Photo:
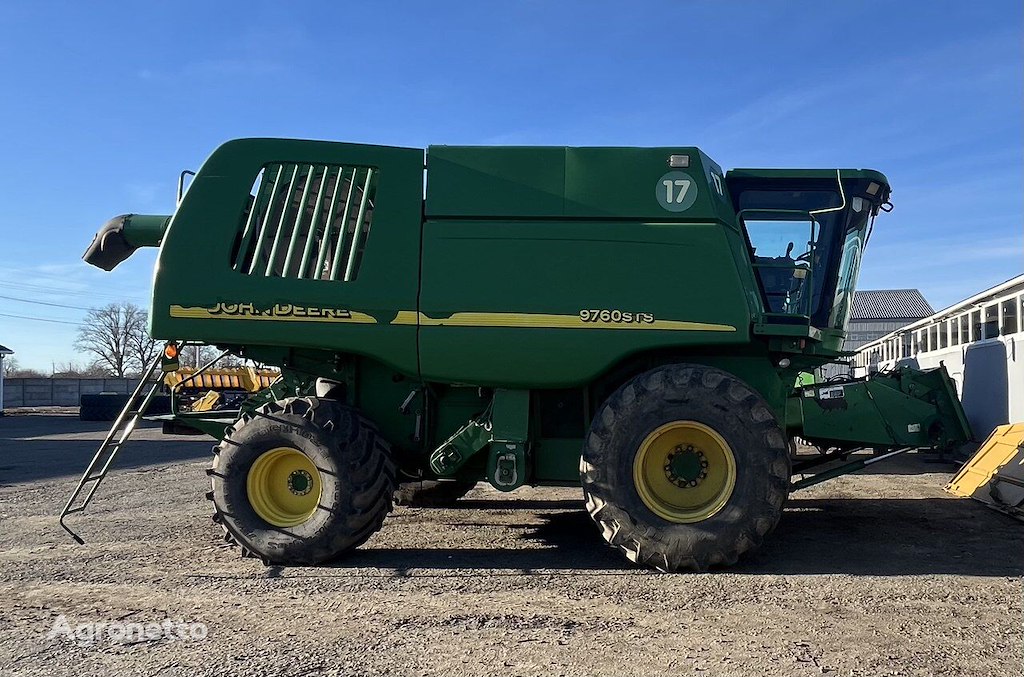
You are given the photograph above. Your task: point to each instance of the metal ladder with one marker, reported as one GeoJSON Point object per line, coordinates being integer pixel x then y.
{"type": "Point", "coordinates": [122, 429]}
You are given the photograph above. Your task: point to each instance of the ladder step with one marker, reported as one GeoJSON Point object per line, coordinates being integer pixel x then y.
{"type": "Point", "coordinates": [99, 467]}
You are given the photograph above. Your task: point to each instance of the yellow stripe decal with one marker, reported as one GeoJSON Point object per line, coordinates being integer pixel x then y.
{"type": "Point", "coordinates": [281, 312]}
{"type": "Point", "coordinates": [545, 321]}
{"type": "Point", "coordinates": [405, 317]}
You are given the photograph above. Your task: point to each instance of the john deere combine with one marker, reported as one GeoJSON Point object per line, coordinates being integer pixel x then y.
{"type": "Point", "coordinates": [628, 319]}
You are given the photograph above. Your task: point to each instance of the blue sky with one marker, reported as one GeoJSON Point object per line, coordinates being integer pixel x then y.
{"type": "Point", "coordinates": [104, 103]}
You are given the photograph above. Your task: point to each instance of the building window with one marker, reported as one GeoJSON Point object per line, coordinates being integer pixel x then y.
{"type": "Point", "coordinates": [933, 337]}
{"type": "Point", "coordinates": [976, 326]}
{"type": "Point", "coordinates": [1009, 317]}
{"type": "Point", "coordinates": [944, 334]}
{"type": "Point", "coordinates": [965, 328]}
{"type": "Point", "coordinates": [991, 321]}
{"type": "Point", "coordinates": [954, 332]}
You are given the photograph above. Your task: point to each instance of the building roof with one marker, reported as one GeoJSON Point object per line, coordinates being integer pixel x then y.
{"type": "Point", "coordinates": [890, 304]}
{"type": "Point", "coordinates": [4, 350]}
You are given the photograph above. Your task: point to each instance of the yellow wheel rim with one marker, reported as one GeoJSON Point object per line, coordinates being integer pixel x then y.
{"type": "Point", "coordinates": [684, 472]}
{"type": "Point", "coordinates": [284, 487]}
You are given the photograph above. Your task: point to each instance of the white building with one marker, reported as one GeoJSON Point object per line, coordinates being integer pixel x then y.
{"type": "Point", "coordinates": [980, 340]}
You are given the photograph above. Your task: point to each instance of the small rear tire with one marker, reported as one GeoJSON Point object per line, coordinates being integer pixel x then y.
{"type": "Point", "coordinates": [301, 481]}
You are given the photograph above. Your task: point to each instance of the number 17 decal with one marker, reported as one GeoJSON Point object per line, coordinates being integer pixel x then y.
{"type": "Point", "coordinates": [676, 191]}
{"type": "Point", "coordinates": [682, 184]}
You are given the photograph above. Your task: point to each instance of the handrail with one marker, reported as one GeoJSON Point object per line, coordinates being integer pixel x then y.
{"type": "Point", "coordinates": [181, 183]}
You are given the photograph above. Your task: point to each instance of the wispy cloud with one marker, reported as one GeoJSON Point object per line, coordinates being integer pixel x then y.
{"type": "Point", "coordinates": [74, 284]}
{"type": "Point", "coordinates": [945, 268]}
{"type": "Point", "coordinates": [254, 53]}
{"type": "Point", "coordinates": [948, 251]}
{"type": "Point", "coordinates": [146, 194]}
{"type": "Point", "coordinates": [881, 112]}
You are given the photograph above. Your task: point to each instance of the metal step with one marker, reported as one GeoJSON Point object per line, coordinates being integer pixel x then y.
{"type": "Point", "coordinates": [103, 459]}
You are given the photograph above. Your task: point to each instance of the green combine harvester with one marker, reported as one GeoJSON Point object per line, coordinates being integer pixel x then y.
{"type": "Point", "coordinates": [632, 320]}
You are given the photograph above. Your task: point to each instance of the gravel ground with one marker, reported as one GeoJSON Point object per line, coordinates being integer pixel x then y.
{"type": "Point", "coordinates": [872, 574]}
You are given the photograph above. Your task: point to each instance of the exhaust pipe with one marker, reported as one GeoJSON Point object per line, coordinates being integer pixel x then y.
{"type": "Point", "coordinates": [120, 236]}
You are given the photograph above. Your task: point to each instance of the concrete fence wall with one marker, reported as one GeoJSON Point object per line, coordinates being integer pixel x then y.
{"type": "Point", "coordinates": [61, 392]}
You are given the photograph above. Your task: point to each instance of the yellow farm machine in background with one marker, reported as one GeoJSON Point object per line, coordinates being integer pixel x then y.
{"type": "Point", "coordinates": [217, 388]}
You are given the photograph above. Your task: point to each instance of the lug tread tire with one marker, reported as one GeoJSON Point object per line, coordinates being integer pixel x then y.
{"type": "Point", "coordinates": [357, 480]}
{"type": "Point", "coordinates": [717, 399]}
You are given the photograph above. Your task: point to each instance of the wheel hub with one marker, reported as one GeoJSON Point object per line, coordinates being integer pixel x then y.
{"type": "Point", "coordinates": [284, 487]}
{"type": "Point", "coordinates": [300, 482]}
{"type": "Point", "coordinates": [684, 471]}
{"type": "Point", "coordinates": [686, 466]}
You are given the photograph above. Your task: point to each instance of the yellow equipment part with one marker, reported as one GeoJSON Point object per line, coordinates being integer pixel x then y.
{"type": "Point", "coordinates": [995, 474]}
{"type": "Point", "coordinates": [225, 378]}
{"type": "Point", "coordinates": [207, 402]}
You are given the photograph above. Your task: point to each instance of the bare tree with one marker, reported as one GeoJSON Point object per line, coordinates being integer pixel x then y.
{"type": "Point", "coordinates": [116, 336]}
{"type": "Point", "coordinates": [197, 356]}
{"type": "Point", "coordinates": [14, 370]}
{"type": "Point", "coordinates": [74, 370]}
{"type": "Point", "coordinates": [142, 349]}
{"type": "Point", "coordinates": [231, 360]}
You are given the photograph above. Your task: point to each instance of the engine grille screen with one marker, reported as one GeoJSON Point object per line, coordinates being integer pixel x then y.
{"type": "Point", "coordinates": [306, 221]}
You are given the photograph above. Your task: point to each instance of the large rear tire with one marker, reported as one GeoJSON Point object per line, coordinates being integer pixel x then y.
{"type": "Point", "coordinates": [301, 481]}
{"type": "Point", "coordinates": [685, 467]}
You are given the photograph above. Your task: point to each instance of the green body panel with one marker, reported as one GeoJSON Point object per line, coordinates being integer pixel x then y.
{"type": "Point", "coordinates": [557, 461]}
{"type": "Point", "coordinates": [544, 182]}
{"type": "Point", "coordinates": [510, 415]}
{"type": "Point", "coordinates": [560, 269]}
{"type": "Point", "coordinates": [523, 232]}
{"type": "Point", "coordinates": [509, 182]}
{"type": "Point", "coordinates": [193, 269]}
{"type": "Point", "coordinates": [907, 408]}
{"type": "Point", "coordinates": [548, 275]}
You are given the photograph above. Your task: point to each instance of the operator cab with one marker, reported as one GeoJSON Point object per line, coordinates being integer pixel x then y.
{"type": "Point", "coordinates": [806, 230]}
